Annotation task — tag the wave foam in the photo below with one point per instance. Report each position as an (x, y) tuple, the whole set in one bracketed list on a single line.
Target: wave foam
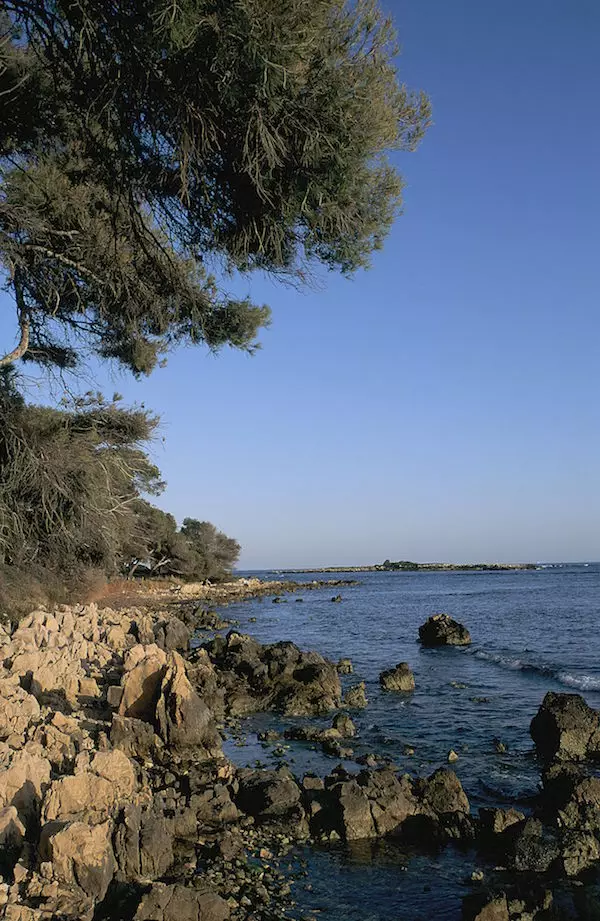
[(512, 662)]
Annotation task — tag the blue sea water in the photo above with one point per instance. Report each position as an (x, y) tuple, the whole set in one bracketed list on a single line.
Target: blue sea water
[(532, 631)]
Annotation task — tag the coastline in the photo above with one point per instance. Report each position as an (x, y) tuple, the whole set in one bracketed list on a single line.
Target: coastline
[(127, 809), (416, 567)]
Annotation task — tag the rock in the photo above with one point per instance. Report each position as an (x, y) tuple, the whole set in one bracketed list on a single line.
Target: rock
[(94, 793), (23, 784), (452, 756), (399, 678), (142, 843), (12, 830), (442, 792), (483, 908), (353, 811), (535, 849), (172, 635), (279, 677), (344, 725), (179, 903), (267, 793), (356, 697), (581, 809), (18, 709), (579, 851), (144, 670), (566, 728), (135, 738), (114, 696), (81, 855), (183, 720), (496, 821), (345, 667), (442, 630)]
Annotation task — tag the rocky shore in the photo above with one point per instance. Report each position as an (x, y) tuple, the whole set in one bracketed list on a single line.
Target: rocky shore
[(117, 802)]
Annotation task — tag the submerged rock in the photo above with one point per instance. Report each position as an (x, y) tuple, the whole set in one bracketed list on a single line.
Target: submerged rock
[(442, 630), (566, 728), (399, 678)]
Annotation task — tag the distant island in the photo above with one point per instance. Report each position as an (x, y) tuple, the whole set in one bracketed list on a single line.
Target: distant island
[(409, 566)]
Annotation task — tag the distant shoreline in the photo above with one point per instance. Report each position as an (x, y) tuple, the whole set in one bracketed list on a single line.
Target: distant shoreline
[(416, 567)]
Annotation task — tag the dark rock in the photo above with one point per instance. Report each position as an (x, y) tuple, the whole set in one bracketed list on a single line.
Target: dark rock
[(172, 634), (344, 725), (579, 851), (399, 678), (482, 907), (134, 737), (442, 630), (278, 677), (442, 792), (181, 903), (267, 793), (142, 843), (535, 849), (496, 821), (523, 902), (566, 728)]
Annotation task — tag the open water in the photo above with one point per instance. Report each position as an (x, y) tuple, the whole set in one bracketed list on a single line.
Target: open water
[(532, 631)]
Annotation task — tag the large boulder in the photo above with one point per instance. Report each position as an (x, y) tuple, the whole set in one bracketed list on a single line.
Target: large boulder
[(24, 782), (442, 630), (399, 678), (566, 728), (267, 794), (180, 903), (95, 792), (81, 855), (142, 843), (135, 738), (144, 670), (182, 719), (442, 793)]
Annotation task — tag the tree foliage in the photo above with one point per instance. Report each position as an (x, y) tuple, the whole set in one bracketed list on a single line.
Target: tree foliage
[(74, 487), (146, 143)]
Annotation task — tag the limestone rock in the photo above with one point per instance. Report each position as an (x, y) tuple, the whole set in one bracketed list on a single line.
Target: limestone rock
[(81, 855), (23, 783), (93, 793), (18, 709), (144, 670), (183, 720), (442, 630), (12, 830)]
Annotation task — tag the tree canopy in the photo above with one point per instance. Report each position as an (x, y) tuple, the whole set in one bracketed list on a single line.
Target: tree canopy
[(74, 487), (149, 146)]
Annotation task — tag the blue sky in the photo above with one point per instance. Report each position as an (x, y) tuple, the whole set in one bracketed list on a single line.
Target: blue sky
[(444, 404)]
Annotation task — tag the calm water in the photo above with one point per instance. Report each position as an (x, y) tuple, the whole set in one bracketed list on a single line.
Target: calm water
[(532, 631)]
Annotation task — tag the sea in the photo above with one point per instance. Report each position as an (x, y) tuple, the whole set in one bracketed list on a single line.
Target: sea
[(532, 631)]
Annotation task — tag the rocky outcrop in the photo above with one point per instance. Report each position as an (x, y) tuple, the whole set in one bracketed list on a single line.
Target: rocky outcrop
[(378, 803), (278, 677), (182, 719), (356, 697), (399, 678), (520, 903), (179, 903), (442, 630), (267, 794), (80, 855), (566, 728)]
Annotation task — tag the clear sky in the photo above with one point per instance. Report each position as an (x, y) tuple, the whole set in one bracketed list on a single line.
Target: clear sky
[(443, 405)]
